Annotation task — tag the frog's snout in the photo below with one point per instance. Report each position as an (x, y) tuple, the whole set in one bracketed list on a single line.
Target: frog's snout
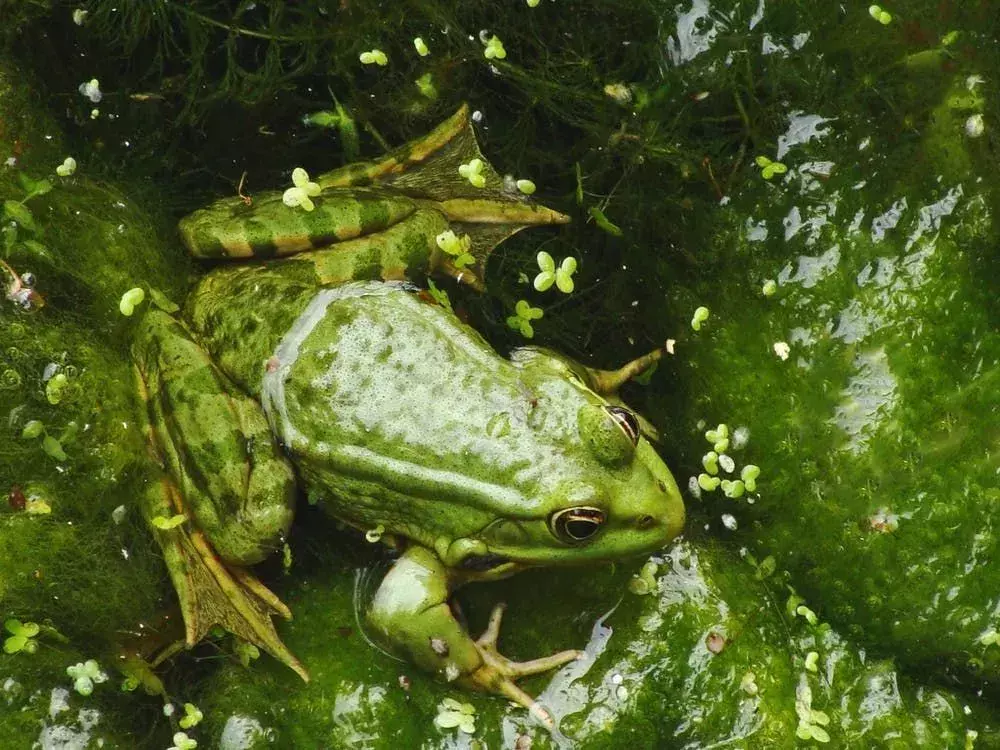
[(663, 515)]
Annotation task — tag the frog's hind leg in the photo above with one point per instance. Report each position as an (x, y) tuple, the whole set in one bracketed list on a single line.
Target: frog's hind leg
[(486, 211), (210, 592), (221, 495)]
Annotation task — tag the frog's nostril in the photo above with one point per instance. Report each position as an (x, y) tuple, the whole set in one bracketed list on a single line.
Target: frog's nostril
[(662, 485), (646, 522)]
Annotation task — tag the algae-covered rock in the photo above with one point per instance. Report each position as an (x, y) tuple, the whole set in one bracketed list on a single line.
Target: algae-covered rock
[(40, 705), (711, 655), (74, 556), (867, 384), (876, 437)]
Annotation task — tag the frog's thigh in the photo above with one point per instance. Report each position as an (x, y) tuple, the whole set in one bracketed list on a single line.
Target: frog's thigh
[(411, 614), (216, 443)]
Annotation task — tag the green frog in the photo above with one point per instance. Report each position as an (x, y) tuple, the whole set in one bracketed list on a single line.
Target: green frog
[(320, 364)]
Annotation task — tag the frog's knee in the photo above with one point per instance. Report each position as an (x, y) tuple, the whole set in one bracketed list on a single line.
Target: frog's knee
[(259, 526)]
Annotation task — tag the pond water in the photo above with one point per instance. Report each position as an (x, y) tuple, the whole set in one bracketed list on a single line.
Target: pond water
[(821, 178)]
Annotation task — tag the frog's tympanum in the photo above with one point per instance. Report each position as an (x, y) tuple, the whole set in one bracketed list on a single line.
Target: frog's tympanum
[(318, 362)]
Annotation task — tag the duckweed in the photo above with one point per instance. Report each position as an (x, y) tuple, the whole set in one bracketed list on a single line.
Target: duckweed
[(524, 313), (451, 713), (701, 314), (85, 675), (494, 49), (302, 192), (131, 300), (67, 168), (21, 638), (562, 276), (374, 57), (472, 171)]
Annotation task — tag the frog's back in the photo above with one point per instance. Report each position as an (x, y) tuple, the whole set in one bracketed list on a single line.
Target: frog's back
[(372, 362)]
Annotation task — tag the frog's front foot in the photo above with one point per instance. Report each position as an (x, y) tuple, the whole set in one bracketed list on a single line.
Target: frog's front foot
[(498, 673)]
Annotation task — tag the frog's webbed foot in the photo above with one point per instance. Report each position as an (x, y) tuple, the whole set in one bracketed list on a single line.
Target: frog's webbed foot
[(213, 593), (498, 673)]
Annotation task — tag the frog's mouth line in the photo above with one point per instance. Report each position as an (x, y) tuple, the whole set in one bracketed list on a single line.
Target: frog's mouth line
[(481, 563)]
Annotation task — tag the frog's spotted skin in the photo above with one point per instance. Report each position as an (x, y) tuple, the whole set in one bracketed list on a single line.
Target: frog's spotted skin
[(393, 412)]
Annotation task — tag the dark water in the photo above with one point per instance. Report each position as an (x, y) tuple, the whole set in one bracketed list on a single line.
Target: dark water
[(865, 387)]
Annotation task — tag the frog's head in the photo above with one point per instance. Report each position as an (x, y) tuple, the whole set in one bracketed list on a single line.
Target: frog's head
[(605, 494)]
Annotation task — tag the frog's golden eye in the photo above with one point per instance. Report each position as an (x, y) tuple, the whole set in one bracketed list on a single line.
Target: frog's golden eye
[(627, 421), (575, 525)]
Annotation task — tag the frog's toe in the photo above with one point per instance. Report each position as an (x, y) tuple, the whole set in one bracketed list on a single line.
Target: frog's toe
[(498, 673)]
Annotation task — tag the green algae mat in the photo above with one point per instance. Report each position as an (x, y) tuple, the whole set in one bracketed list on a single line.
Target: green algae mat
[(795, 200)]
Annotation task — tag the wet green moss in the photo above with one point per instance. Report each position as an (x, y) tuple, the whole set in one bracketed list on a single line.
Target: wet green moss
[(877, 490), (711, 656)]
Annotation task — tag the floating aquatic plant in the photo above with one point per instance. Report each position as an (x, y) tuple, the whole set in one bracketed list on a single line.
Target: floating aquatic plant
[(85, 675), (92, 90), (130, 300), (302, 192), (524, 313), (494, 49), (881, 15), (700, 316), (192, 716), (21, 638), (526, 186), (452, 713), (768, 168), (183, 742), (67, 168), (457, 247), (374, 57), (165, 523), (562, 276), (472, 171)]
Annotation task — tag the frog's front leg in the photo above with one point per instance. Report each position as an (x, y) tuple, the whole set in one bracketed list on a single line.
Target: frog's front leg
[(411, 613), (221, 496)]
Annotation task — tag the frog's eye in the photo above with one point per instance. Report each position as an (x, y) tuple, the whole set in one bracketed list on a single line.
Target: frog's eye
[(575, 525), (611, 432), (627, 421)]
